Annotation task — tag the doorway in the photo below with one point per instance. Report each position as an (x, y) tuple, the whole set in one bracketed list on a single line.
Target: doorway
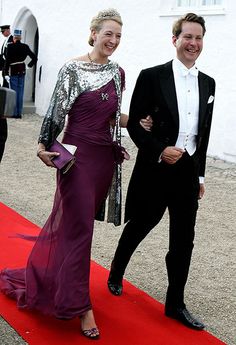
[(26, 21)]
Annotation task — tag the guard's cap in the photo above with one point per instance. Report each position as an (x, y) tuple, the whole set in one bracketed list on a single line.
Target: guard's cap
[(17, 33), (4, 27)]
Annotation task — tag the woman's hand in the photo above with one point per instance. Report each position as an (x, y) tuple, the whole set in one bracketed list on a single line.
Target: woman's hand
[(46, 156), (125, 154), (147, 123)]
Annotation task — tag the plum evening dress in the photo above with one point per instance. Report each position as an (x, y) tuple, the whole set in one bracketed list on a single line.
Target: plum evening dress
[(56, 278)]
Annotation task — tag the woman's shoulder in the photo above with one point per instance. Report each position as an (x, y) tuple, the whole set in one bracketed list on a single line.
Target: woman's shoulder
[(82, 58), (75, 61), (115, 65), (122, 71), (72, 65)]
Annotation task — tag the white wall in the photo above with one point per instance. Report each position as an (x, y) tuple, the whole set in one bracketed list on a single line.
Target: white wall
[(64, 30)]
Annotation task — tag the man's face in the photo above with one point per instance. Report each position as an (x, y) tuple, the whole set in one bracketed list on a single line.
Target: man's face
[(189, 43), (6, 32)]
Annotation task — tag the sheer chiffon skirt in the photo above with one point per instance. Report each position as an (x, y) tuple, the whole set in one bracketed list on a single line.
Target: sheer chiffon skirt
[(56, 278)]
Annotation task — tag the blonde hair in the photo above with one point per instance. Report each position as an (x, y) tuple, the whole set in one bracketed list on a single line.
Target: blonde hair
[(97, 21)]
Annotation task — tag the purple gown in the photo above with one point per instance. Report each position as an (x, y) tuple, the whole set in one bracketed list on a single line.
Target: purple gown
[(56, 279)]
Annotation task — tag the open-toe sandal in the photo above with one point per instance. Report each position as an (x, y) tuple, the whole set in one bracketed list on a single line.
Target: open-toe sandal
[(92, 333)]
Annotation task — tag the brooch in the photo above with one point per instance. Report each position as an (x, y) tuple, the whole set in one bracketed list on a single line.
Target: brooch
[(104, 96)]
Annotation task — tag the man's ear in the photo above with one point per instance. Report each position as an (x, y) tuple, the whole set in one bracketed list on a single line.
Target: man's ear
[(174, 40)]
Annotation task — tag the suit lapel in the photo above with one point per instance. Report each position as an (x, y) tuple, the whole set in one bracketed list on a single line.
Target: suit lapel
[(203, 97), (168, 87)]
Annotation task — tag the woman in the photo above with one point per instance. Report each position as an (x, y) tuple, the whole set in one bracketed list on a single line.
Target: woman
[(89, 88)]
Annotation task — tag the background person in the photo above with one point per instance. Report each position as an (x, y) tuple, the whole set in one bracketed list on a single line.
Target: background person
[(3, 136), (171, 160), (15, 68), (5, 30)]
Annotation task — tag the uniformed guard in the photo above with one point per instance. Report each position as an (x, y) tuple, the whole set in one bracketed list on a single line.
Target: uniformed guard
[(6, 31), (15, 67)]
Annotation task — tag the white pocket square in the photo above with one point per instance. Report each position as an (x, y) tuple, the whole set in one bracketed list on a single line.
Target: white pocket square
[(210, 99)]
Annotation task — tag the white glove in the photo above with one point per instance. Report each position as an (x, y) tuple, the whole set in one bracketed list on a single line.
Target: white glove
[(7, 78)]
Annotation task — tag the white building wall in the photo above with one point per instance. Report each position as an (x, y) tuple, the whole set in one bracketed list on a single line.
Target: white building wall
[(64, 29)]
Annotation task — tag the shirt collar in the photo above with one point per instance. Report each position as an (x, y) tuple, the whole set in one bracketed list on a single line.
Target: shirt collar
[(183, 70)]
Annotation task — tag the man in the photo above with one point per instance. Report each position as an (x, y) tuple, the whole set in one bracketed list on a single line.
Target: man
[(170, 165), (5, 30), (17, 52)]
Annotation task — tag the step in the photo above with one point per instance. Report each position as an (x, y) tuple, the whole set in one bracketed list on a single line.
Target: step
[(29, 108)]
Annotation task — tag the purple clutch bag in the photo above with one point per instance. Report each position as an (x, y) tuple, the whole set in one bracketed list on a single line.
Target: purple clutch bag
[(66, 158)]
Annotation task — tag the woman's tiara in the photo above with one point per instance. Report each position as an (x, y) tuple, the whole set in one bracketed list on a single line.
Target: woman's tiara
[(108, 13)]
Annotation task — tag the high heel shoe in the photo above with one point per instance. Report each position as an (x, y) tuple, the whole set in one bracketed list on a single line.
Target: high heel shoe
[(114, 284), (88, 319), (92, 333)]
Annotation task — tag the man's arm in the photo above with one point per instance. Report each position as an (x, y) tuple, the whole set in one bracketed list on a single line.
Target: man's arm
[(204, 138), (142, 104), (33, 58), (204, 142)]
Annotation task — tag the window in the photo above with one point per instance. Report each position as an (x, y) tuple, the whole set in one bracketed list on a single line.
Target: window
[(199, 3), (186, 3), (211, 2), (202, 7)]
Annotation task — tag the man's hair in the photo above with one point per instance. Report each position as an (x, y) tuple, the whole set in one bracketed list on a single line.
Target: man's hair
[(189, 17)]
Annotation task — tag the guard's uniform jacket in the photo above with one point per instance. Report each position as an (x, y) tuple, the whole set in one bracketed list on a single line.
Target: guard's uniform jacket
[(15, 56), (4, 51)]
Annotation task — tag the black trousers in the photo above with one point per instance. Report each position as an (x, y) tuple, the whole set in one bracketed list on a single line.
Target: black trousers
[(3, 128), (173, 187), (3, 136), (5, 83)]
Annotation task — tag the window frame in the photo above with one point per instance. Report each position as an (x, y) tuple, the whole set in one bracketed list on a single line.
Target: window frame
[(172, 9)]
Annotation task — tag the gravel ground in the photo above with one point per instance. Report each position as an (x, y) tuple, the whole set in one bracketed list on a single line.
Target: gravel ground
[(28, 187)]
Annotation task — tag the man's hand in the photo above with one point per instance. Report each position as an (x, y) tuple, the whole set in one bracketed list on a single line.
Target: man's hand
[(172, 154), (7, 78), (201, 191)]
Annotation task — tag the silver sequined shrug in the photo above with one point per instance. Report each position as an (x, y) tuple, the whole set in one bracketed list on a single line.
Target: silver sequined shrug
[(74, 78)]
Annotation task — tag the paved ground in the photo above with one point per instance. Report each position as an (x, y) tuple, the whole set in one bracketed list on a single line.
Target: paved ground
[(28, 187)]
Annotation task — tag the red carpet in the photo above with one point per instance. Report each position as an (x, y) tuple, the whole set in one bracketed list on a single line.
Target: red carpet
[(133, 319)]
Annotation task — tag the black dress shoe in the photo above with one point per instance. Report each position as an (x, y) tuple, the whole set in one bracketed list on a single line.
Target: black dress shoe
[(115, 289), (114, 284), (184, 316)]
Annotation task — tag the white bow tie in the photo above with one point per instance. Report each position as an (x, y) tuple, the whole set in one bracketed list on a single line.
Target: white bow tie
[(193, 71)]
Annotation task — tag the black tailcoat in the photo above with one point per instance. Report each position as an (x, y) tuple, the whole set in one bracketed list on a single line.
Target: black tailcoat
[(155, 95)]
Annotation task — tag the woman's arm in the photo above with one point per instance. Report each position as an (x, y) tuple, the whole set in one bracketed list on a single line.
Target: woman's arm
[(145, 123), (123, 120)]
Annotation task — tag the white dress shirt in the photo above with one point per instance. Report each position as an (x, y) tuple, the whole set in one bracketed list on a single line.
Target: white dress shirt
[(5, 43), (187, 91), (186, 84)]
